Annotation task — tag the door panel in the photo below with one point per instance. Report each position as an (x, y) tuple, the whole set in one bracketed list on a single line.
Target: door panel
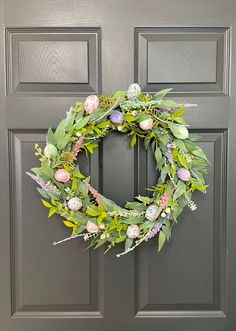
[(53, 53)]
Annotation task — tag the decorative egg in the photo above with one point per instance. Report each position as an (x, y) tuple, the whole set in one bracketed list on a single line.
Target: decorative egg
[(132, 231), (61, 175), (133, 91), (50, 151), (116, 117), (91, 104), (152, 213), (183, 174), (92, 227), (75, 204), (146, 124)]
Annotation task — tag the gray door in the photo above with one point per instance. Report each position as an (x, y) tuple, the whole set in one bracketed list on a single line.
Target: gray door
[(51, 54)]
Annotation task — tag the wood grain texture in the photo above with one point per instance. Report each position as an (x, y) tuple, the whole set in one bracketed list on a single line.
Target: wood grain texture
[(53, 62), (190, 60), (182, 62)]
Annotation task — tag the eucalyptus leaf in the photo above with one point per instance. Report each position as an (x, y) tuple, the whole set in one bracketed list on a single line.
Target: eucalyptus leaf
[(160, 94), (161, 240), (181, 189), (128, 243), (168, 104), (81, 123), (179, 131)]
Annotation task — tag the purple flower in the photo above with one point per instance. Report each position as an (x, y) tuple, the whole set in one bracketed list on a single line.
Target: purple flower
[(47, 187), (154, 230), (169, 155)]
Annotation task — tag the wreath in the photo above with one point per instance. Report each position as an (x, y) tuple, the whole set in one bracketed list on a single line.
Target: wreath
[(68, 193)]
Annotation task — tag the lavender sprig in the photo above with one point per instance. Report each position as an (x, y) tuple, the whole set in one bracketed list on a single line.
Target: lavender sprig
[(154, 230), (47, 187)]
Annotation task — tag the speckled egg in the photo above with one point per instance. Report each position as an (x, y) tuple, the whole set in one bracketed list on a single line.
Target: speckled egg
[(132, 231), (152, 213), (133, 91), (92, 227), (74, 204), (91, 104), (116, 117), (50, 151), (183, 174), (146, 124)]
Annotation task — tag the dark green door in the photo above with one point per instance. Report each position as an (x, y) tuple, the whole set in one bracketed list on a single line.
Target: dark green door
[(51, 54)]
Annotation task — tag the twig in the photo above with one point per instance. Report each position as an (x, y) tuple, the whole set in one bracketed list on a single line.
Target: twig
[(107, 112)]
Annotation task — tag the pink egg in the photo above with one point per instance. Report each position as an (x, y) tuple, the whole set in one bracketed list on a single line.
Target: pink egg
[(91, 104), (146, 124), (92, 227), (61, 175)]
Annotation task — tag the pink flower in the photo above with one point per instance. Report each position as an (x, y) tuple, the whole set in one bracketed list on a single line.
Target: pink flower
[(92, 227), (61, 175), (132, 231), (91, 104)]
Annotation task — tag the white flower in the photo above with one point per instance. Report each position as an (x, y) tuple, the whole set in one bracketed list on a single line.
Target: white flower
[(163, 214), (102, 226), (168, 210)]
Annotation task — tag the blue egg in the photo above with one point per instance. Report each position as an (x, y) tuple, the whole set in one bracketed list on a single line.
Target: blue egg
[(116, 117), (133, 91)]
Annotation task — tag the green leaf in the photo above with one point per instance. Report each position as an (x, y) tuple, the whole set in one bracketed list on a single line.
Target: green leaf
[(69, 224), (133, 140), (120, 94), (52, 211), (179, 131), (180, 120), (133, 220), (46, 203), (182, 161), (47, 170), (180, 144), (43, 193), (81, 123), (161, 94), (50, 137), (135, 206), (181, 188), (158, 155), (199, 152), (60, 131), (161, 240), (92, 212), (168, 104), (128, 243), (194, 137)]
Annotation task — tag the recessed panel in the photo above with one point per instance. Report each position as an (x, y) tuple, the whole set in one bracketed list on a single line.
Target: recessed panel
[(53, 61), (190, 60), (182, 61), (173, 280), (46, 279)]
